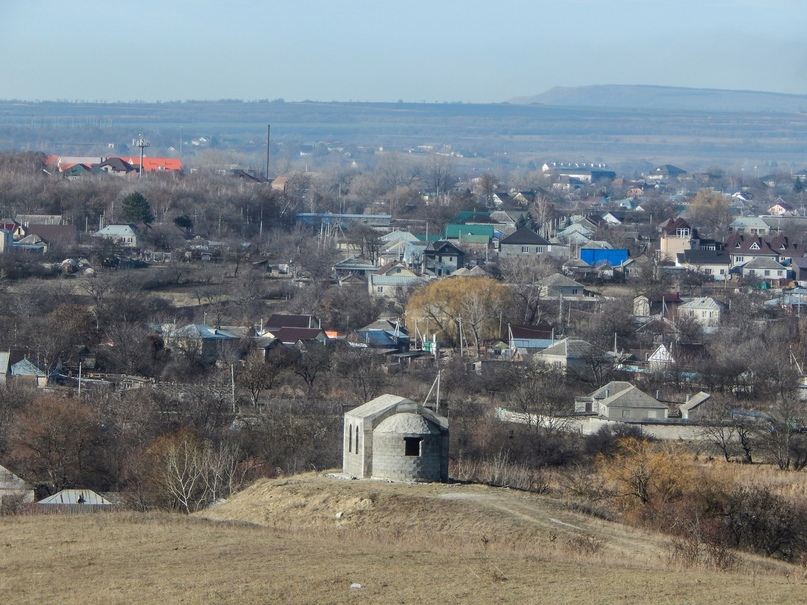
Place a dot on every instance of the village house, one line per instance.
(391, 279)
(749, 225)
(665, 173)
(715, 264)
(781, 208)
(704, 310)
(524, 242)
(442, 258)
(197, 341)
(571, 354)
(558, 286)
(126, 236)
(621, 401)
(767, 270)
(675, 238)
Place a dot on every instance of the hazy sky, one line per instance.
(377, 50)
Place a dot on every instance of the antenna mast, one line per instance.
(142, 143)
(268, 133)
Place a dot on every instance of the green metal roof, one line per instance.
(454, 231)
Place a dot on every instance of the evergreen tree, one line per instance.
(136, 209)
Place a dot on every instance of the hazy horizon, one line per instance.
(358, 50)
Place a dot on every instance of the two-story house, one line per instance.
(442, 258)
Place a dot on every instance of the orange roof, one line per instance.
(156, 164)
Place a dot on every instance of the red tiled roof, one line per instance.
(156, 164)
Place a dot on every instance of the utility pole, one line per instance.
(232, 384)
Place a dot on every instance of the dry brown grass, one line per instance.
(788, 484)
(307, 539)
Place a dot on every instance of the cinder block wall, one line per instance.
(390, 461)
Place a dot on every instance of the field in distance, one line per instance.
(316, 538)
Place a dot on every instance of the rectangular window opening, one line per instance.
(412, 446)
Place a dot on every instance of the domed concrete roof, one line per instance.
(407, 423)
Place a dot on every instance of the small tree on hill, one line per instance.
(136, 209)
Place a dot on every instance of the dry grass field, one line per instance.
(308, 539)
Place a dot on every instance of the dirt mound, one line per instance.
(445, 511)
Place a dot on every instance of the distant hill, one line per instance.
(668, 97)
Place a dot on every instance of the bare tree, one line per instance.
(524, 276)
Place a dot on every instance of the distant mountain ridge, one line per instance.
(668, 97)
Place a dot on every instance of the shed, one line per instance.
(12, 487)
(394, 438)
(76, 497)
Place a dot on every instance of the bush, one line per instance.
(760, 521)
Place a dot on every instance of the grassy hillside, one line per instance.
(308, 539)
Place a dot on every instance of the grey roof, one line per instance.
(9, 480)
(475, 271)
(632, 397)
(398, 236)
(763, 262)
(525, 236)
(408, 423)
(384, 280)
(704, 302)
(598, 245)
(748, 221)
(378, 405)
(571, 347)
(395, 405)
(117, 231)
(76, 496)
(695, 401)
(704, 257)
(613, 387)
(355, 264)
(558, 280)
(25, 367)
(201, 331)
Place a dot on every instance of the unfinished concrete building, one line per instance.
(394, 438)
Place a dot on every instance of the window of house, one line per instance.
(350, 439)
(767, 272)
(357, 440)
(707, 271)
(750, 272)
(738, 259)
(539, 249)
(525, 248)
(682, 232)
(412, 446)
(574, 291)
(380, 289)
(626, 413)
(722, 272)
